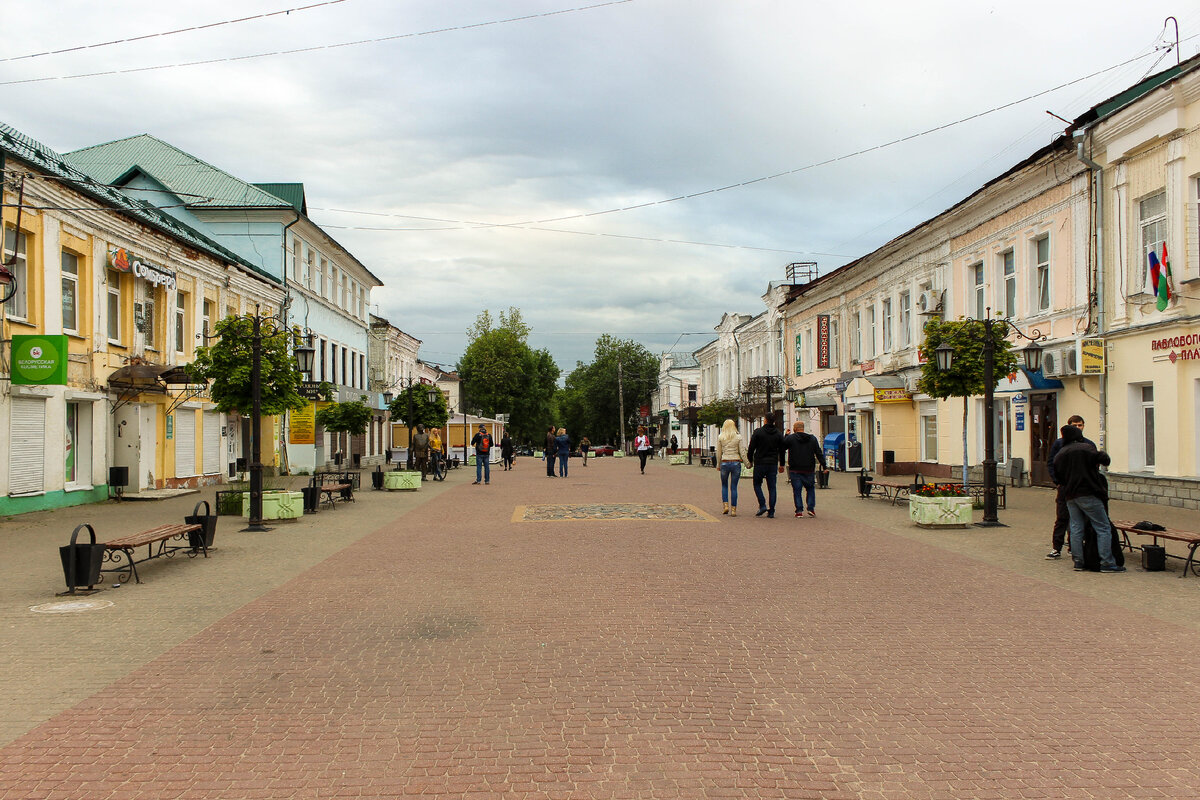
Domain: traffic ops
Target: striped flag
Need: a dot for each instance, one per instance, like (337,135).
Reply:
(1160,278)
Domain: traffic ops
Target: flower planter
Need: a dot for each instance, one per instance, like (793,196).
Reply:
(940,512)
(405,480)
(277,505)
(679,458)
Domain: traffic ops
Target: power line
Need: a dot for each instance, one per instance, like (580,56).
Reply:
(143,37)
(316,48)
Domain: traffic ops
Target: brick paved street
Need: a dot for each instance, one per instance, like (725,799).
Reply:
(443,645)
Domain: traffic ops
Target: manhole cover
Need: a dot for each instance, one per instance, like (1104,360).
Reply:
(71,606)
(677,512)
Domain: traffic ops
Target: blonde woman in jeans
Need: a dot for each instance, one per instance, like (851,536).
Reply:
(731,452)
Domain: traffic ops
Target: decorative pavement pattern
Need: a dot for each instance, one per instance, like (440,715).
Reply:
(665,512)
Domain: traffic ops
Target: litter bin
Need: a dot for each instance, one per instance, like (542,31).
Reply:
(203,538)
(312,499)
(834,452)
(81,562)
(823,479)
(377,479)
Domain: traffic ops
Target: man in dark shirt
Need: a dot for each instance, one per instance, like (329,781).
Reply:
(1077,466)
(1061,518)
(767,455)
(804,458)
(551,451)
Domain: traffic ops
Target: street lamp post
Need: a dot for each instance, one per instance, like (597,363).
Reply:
(1032,355)
(762,384)
(430,395)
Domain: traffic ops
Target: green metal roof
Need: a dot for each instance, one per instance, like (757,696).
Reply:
(197,183)
(291,193)
(17,145)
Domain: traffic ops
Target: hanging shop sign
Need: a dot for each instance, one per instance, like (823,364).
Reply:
(1091,357)
(122,260)
(39,360)
(899,395)
(822,341)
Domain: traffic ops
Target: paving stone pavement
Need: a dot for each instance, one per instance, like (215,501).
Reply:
(428,645)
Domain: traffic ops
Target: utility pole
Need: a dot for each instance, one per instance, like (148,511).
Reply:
(621,398)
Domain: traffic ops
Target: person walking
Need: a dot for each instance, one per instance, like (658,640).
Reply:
(562,444)
(506,451)
(420,448)
(642,443)
(1086,490)
(804,459)
(1062,519)
(584,447)
(767,455)
(550,451)
(437,451)
(674,445)
(482,442)
(731,453)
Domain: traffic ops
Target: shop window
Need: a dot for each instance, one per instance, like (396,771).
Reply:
(929,434)
(78,446)
(17,306)
(1152,224)
(70,292)
(113,278)
(1141,426)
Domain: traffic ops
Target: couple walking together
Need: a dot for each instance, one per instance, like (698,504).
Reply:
(770,452)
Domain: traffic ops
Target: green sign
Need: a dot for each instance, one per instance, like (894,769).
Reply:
(170,426)
(39,360)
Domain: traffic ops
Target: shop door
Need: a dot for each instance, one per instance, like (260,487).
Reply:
(1043,430)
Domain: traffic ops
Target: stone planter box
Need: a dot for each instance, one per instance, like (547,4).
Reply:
(618,454)
(404,480)
(277,505)
(679,458)
(940,512)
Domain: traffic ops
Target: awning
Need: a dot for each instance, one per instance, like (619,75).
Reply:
(141,377)
(885,381)
(1024,380)
(1040,382)
(819,397)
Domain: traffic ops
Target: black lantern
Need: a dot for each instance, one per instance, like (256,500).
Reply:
(432,394)
(944,356)
(305,354)
(1032,354)
(387,398)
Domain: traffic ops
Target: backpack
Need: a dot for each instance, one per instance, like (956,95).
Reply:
(485,443)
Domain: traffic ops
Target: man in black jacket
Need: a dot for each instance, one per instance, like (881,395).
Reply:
(551,451)
(767,455)
(1061,518)
(1077,466)
(804,458)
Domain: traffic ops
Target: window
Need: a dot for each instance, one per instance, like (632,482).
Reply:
(929,433)
(1008,266)
(856,341)
(362,372)
(870,331)
(180,321)
(1041,271)
(691,392)
(70,292)
(114,305)
(1143,427)
(906,319)
(887,324)
(1152,221)
(834,344)
(18,304)
(148,315)
(206,318)
(980,299)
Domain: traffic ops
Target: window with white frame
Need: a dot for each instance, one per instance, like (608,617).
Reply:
(905,319)
(206,318)
(979,299)
(18,304)
(1152,225)
(113,279)
(929,432)
(181,299)
(870,331)
(834,344)
(1141,428)
(1041,273)
(1008,271)
(856,339)
(70,292)
(887,324)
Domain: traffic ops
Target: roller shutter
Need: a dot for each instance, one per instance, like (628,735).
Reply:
(27,454)
(185,443)
(212,442)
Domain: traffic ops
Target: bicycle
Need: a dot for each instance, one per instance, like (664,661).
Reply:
(437,466)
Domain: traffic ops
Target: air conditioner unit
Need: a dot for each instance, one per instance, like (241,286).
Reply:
(930,302)
(1060,362)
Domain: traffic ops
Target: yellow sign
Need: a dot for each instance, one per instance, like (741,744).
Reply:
(892,396)
(1091,357)
(304,425)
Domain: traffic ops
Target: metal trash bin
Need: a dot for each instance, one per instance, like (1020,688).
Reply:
(81,562)
(203,538)
(1154,557)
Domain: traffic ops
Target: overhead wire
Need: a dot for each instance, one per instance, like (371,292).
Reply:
(143,37)
(316,48)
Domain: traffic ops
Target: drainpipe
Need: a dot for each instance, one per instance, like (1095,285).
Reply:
(1098,233)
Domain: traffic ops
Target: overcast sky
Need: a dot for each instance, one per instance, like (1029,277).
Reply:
(494,115)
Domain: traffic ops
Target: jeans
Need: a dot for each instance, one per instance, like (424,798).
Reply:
(483,468)
(765,473)
(1090,509)
(642,455)
(731,473)
(804,482)
(562,464)
(1062,520)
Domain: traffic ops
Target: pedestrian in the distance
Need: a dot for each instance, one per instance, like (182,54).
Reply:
(731,452)
(420,449)
(506,451)
(584,447)
(804,459)
(482,442)
(550,451)
(1086,490)
(767,455)
(1062,519)
(674,445)
(562,445)
(642,444)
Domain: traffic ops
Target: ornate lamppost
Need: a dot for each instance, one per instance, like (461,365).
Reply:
(430,395)
(1032,355)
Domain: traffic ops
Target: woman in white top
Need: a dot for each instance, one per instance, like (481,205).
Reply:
(731,452)
(642,443)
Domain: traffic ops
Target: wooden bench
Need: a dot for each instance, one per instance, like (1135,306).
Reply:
(1190,538)
(888,491)
(155,540)
(344,490)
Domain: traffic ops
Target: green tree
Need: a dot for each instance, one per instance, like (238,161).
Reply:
(227,364)
(965,377)
(621,369)
(502,374)
(715,412)
(349,417)
(431,415)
